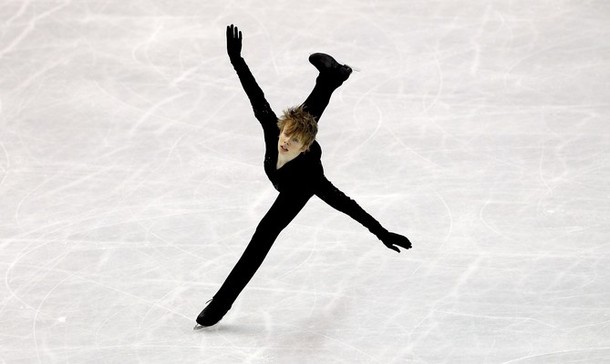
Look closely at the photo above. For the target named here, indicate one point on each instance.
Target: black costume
(297, 181)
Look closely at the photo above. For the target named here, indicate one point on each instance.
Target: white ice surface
(131, 180)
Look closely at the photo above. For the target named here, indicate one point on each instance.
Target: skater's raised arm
(261, 107)
(330, 194)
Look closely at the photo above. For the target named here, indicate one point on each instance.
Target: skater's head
(298, 130)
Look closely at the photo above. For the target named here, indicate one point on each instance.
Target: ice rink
(131, 180)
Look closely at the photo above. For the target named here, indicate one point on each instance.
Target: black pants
(281, 213)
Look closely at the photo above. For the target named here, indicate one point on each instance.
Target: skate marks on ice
(477, 130)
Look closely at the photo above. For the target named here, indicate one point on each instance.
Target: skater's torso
(299, 174)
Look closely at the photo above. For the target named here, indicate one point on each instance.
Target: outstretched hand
(393, 241)
(234, 38)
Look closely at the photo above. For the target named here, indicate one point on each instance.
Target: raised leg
(332, 75)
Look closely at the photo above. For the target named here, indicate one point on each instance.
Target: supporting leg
(281, 213)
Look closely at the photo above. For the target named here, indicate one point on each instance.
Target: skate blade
(200, 327)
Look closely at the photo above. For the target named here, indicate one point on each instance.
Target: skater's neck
(282, 160)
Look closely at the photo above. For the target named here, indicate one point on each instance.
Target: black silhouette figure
(292, 163)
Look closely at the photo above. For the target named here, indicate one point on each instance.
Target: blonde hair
(300, 123)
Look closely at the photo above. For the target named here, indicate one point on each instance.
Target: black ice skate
(329, 68)
(211, 314)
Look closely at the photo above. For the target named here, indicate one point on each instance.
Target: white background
(131, 180)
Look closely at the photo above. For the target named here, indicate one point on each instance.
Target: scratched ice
(131, 179)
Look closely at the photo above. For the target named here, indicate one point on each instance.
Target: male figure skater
(292, 163)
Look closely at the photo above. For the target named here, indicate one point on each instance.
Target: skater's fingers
(230, 32)
(403, 242)
(393, 248)
(405, 245)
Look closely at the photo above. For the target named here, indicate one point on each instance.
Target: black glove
(393, 241)
(233, 42)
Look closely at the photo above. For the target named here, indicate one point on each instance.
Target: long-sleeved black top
(302, 177)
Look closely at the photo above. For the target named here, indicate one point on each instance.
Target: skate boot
(211, 314)
(329, 68)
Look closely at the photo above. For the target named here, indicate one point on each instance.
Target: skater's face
(290, 145)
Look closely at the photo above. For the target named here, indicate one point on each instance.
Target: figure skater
(292, 163)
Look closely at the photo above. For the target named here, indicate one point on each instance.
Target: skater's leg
(319, 98)
(281, 213)
(332, 75)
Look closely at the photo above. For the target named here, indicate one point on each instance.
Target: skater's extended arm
(261, 107)
(330, 194)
